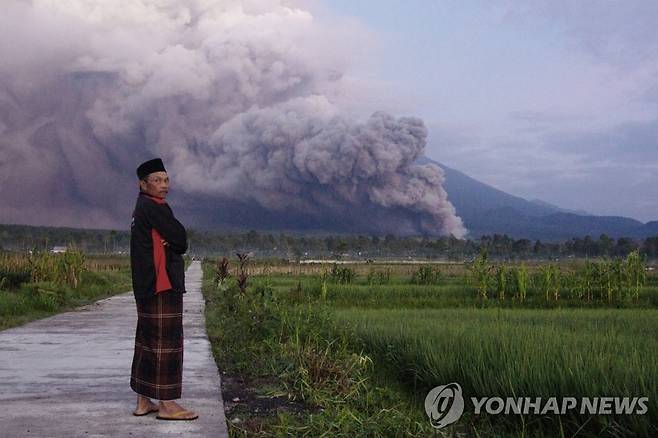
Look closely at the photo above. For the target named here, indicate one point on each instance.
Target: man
(157, 242)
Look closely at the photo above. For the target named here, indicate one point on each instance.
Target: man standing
(157, 242)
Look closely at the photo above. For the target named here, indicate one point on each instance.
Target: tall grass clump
(14, 270)
(520, 279)
(480, 271)
(378, 277)
(341, 274)
(61, 268)
(427, 275)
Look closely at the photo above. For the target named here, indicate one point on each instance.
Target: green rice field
(568, 339)
(515, 353)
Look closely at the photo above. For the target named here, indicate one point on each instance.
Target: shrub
(341, 274)
(426, 275)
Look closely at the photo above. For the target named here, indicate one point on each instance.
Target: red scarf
(162, 282)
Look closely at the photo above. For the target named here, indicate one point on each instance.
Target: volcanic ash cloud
(302, 157)
(242, 99)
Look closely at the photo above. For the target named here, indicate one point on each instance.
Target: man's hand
(164, 242)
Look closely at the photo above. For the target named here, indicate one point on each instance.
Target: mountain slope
(556, 208)
(487, 210)
(470, 197)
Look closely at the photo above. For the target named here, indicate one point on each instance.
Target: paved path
(69, 375)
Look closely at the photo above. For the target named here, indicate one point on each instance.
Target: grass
(452, 292)
(23, 300)
(510, 353)
(300, 335)
(299, 359)
(27, 301)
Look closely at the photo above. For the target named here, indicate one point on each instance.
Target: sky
(312, 113)
(554, 100)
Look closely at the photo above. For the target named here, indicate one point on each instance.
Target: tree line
(499, 246)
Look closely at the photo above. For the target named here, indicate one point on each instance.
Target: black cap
(150, 166)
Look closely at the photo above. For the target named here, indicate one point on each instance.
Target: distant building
(58, 249)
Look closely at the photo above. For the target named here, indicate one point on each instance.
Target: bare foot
(144, 406)
(171, 409)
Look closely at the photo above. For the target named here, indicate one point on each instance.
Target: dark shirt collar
(153, 198)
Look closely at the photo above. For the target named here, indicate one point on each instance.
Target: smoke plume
(240, 98)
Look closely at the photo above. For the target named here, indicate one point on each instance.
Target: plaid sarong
(157, 367)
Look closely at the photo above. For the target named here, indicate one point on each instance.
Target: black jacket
(147, 215)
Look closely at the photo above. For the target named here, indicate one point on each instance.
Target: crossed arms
(172, 231)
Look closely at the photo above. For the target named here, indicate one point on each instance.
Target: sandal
(155, 409)
(178, 416)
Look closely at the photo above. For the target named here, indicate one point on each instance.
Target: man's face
(156, 184)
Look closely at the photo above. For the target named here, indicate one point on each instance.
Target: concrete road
(69, 375)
